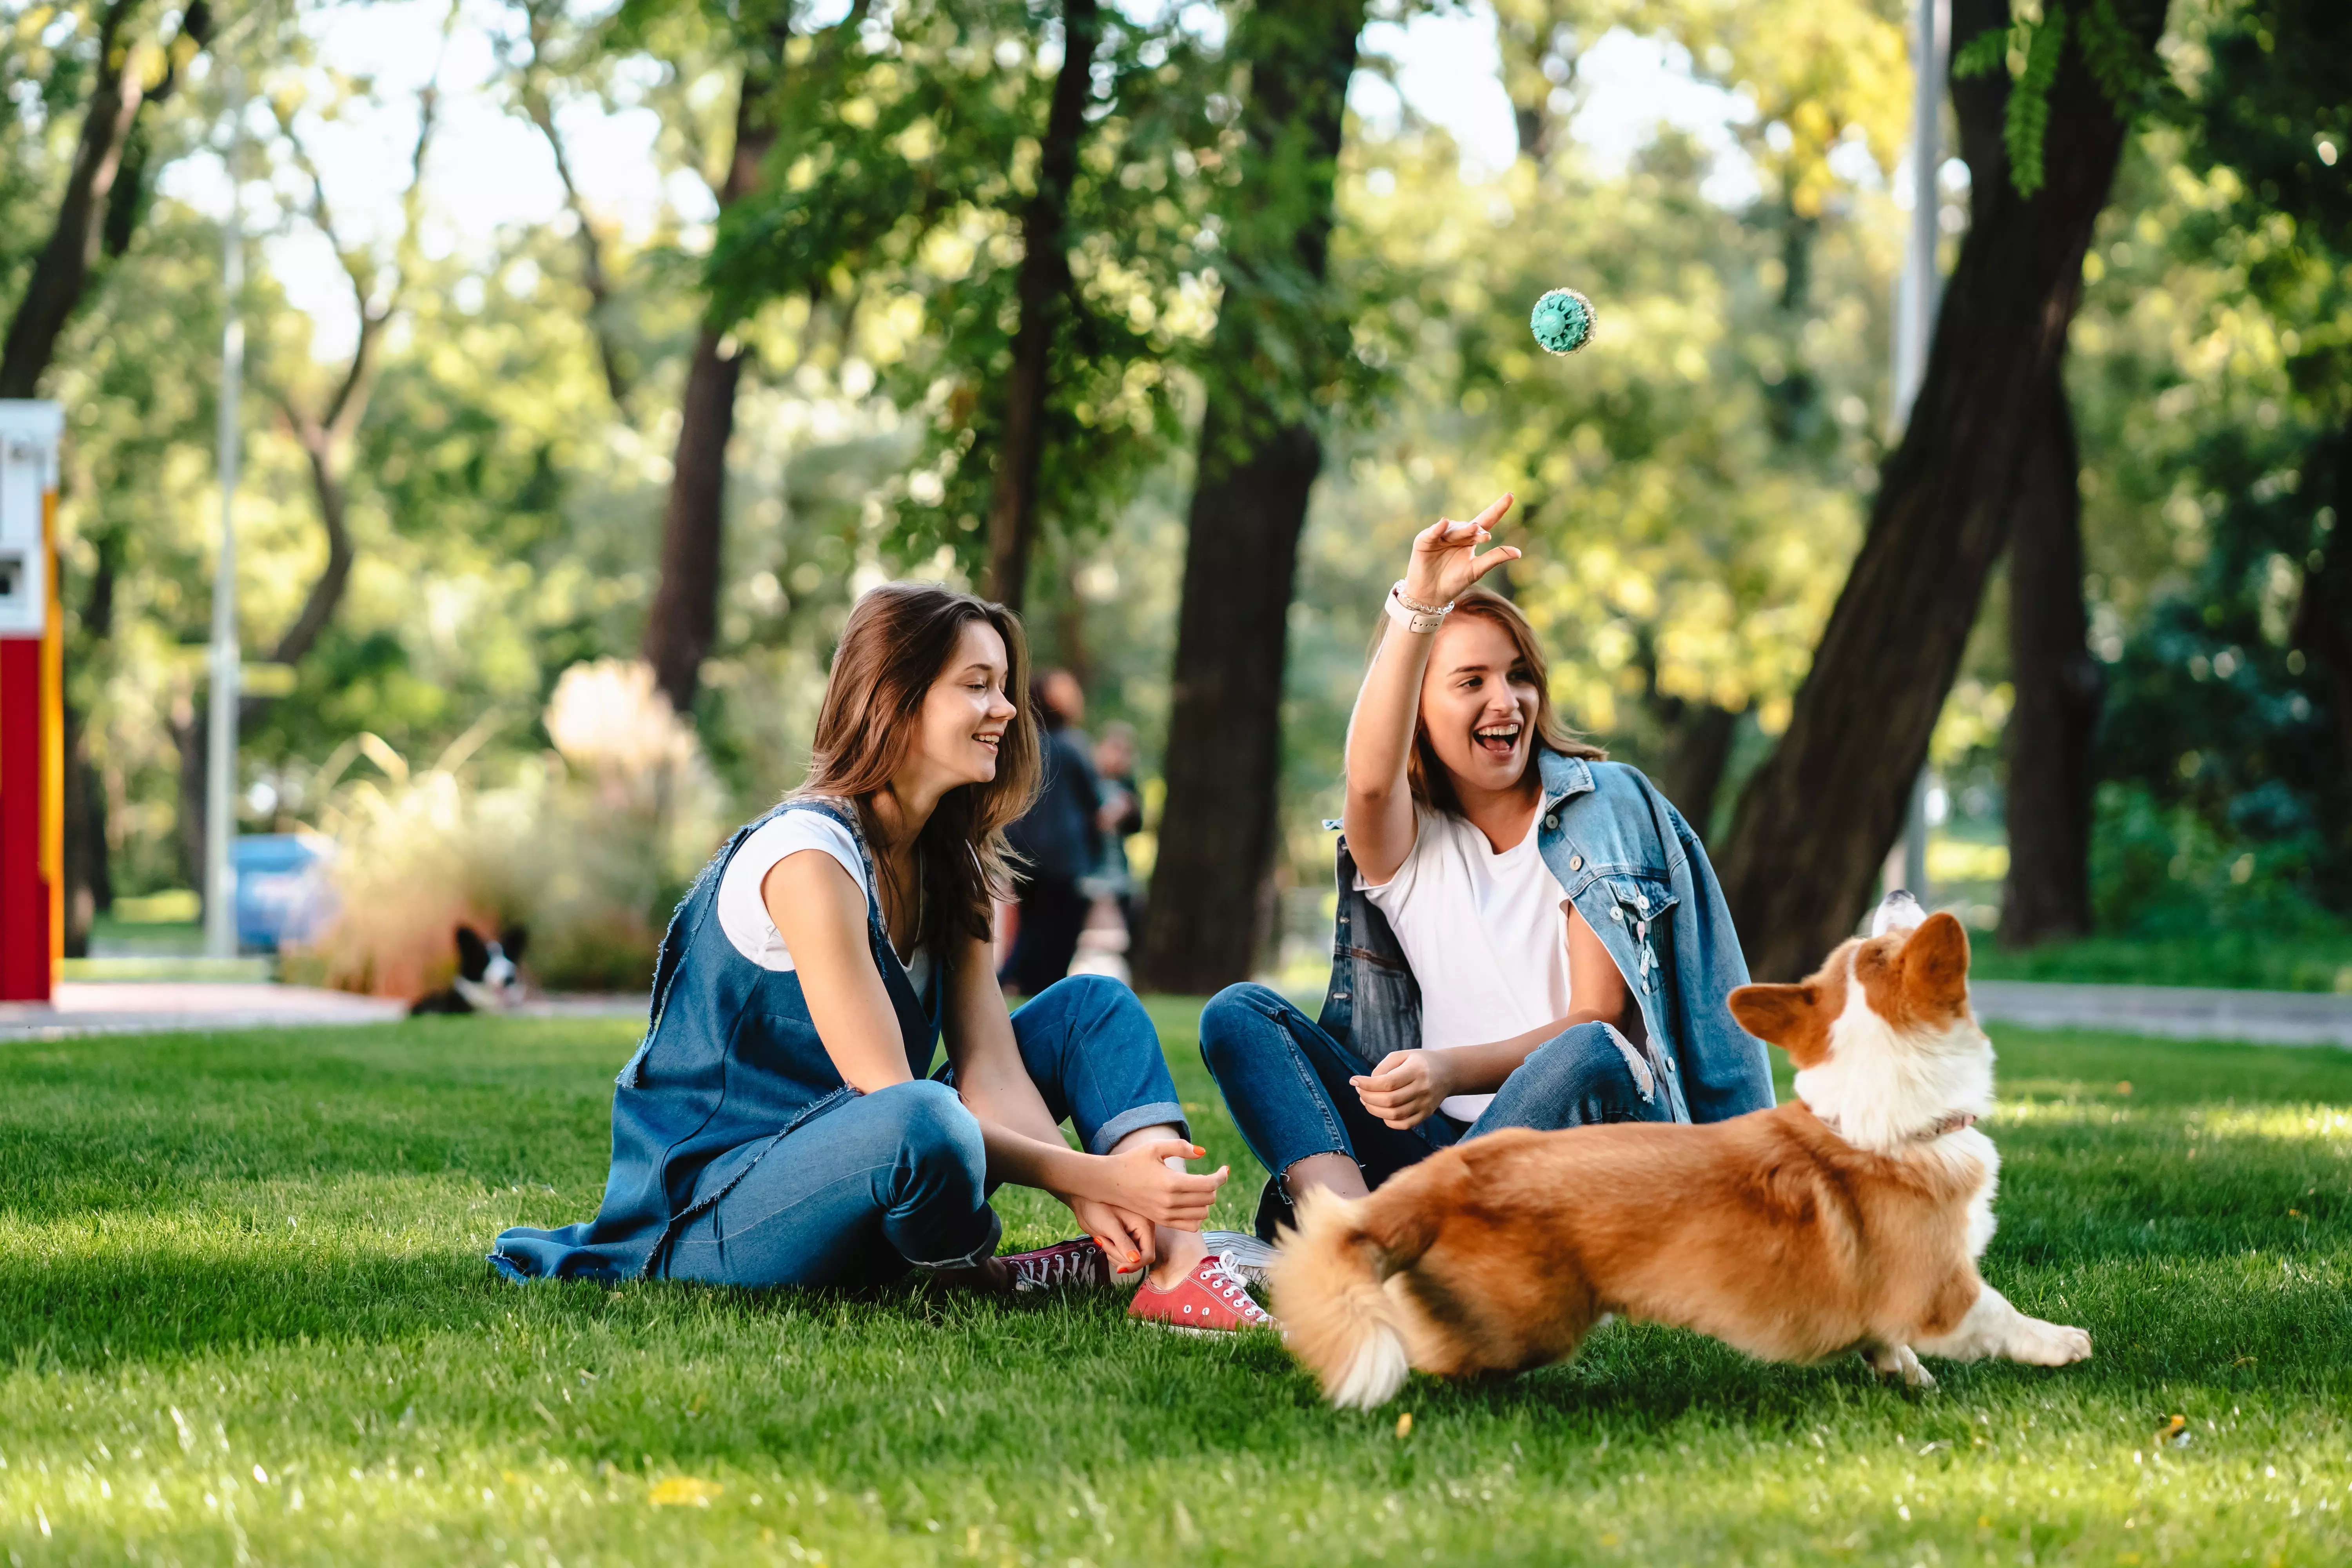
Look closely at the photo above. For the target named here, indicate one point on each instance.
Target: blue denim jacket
(731, 1063)
(1640, 879)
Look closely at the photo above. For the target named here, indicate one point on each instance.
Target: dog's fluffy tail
(1329, 1294)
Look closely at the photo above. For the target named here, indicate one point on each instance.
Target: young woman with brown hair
(779, 1124)
(1529, 935)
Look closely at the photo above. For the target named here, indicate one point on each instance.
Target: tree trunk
(1225, 734)
(89, 882)
(188, 730)
(1697, 750)
(327, 591)
(1045, 278)
(541, 17)
(2059, 689)
(62, 271)
(1817, 820)
(1259, 456)
(682, 622)
(2322, 629)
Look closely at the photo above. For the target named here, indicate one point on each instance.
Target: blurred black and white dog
(488, 981)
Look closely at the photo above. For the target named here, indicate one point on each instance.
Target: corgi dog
(1848, 1219)
(486, 979)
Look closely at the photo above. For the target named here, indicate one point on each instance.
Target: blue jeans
(1285, 1082)
(898, 1178)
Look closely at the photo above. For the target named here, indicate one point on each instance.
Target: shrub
(589, 845)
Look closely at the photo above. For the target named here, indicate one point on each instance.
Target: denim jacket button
(1642, 902)
(1552, 821)
(1576, 862)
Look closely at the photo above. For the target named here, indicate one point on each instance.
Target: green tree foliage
(898, 205)
(2129, 76)
(2229, 726)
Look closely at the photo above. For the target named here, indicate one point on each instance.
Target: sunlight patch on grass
(2299, 1123)
(2069, 1112)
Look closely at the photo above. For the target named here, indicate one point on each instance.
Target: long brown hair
(898, 638)
(1424, 773)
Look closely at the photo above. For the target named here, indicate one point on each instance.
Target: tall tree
(97, 215)
(62, 274)
(2059, 685)
(326, 430)
(1259, 454)
(1045, 278)
(683, 620)
(1816, 821)
(533, 63)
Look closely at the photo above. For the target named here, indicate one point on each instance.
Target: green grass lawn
(2316, 959)
(247, 1319)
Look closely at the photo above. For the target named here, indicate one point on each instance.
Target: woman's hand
(1125, 1239)
(1120, 1198)
(1445, 558)
(1406, 1089)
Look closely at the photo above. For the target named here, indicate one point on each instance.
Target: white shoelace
(1058, 1267)
(1222, 1274)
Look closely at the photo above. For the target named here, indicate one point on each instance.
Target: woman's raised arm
(1378, 812)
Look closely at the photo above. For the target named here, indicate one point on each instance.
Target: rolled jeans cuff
(978, 1255)
(1159, 1113)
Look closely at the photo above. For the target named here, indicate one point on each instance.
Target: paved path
(115, 1007)
(86, 1007)
(2183, 1012)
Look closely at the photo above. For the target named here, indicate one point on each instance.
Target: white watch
(1412, 615)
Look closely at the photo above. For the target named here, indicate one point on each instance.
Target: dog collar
(1956, 1121)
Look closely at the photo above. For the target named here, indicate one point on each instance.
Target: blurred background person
(1060, 841)
(1121, 817)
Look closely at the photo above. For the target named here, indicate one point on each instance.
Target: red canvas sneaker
(1065, 1265)
(1212, 1299)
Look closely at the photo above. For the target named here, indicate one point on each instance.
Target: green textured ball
(1563, 321)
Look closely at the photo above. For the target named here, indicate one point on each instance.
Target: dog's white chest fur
(1886, 1089)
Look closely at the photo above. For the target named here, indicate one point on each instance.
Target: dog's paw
(1897, 1361)
(2038, 1344)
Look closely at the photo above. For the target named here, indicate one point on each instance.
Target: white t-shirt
(743, 913)
(1486, 935)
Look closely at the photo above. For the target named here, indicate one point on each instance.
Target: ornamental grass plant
(588, 844)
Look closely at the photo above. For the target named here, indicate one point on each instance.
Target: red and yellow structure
(32, 705)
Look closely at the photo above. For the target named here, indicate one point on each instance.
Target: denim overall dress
(730, 1066)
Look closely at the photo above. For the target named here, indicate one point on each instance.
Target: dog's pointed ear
(1935, 966)
(1773, 1013)
(473, 953)
(512, 940)
(1788, 1017)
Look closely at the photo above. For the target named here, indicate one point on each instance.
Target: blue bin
(282, 893)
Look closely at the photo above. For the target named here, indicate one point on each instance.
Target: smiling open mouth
(1498, 739)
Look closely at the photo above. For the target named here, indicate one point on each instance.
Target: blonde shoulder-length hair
(894, 648)
(1432, 786)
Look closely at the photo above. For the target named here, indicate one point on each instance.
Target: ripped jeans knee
(1584, 1077)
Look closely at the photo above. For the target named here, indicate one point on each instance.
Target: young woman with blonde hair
(779, 1124)
(1529, 935)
